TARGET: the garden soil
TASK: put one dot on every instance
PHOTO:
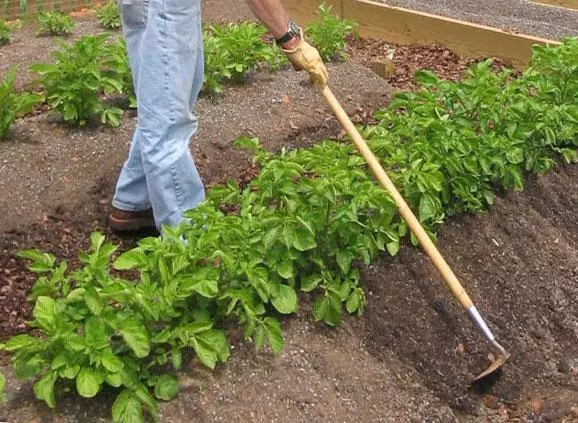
(409, 357)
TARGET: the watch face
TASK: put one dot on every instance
(293, 28)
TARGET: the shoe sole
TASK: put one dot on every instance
(130, 225)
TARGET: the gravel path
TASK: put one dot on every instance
(515, 15)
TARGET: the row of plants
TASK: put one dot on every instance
(88, 71)
(308, 222)
(57, 23)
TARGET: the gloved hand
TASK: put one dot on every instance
(306, 57)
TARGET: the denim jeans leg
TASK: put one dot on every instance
(170, 76)
(131, 192)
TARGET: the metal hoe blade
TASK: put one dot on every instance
(501, 355)
(500, 358)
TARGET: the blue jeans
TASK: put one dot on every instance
(165, 50)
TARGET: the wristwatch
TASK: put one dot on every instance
(292, 32)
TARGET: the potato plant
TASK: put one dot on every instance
(233, 50)
(55, 24)
(5, 33)
(329, 33)
(108, 15)
(83, 72)
(13, 104)
(304, 226)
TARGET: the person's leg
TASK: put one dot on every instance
(171, 74)
(164, 40)
(131, 194)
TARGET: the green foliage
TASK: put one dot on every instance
(453, 143)
(54, 23)
(2, 389)
(232, 50)
(306, 224)
(118, 53)
(13, 104)
(83, 71)
(328, 34)
(108, 15)
(5, 33)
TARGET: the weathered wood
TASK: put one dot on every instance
(404, 26)
(568, 4)
(305, 11)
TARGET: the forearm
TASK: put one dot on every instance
(272, 14)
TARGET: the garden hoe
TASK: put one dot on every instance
(452, 281)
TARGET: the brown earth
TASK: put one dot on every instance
(411, 355)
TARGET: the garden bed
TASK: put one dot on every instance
(521, 16)
(409, 356)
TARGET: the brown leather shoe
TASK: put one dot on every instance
(126, 221)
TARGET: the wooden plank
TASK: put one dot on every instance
(471, 40)
(568, 4)
(305, 11)
(404, 26)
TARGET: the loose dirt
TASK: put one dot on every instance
(408, 358)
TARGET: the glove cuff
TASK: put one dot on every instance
(301, 39)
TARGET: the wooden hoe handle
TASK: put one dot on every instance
(405, 210)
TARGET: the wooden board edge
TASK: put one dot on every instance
(571, 5)
(406, 26)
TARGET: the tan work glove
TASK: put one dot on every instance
(306, 57)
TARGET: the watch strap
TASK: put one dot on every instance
(291, 33)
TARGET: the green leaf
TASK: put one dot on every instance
(95, 332)
(205, 353)
(176, 358)
(259, 337)
(58, 362)
(285, 269)
(344, 259)
(93, 301)
(353, 302)
(147, 399)
(166, 388)
(129, 260)
(392, 248)
(114, 379)
(96, 241)
(218, 342)
(286, 301)
(111, 362)
(88, 382)
(136, 336)
(70, 371)
(44, 389)
(19, 342)
(205, 282)
(44, 313)
(193, 328)
(127, 408)
(2, 388)
(210, 347)
(41, 262)
(309, 283)
(300, 237)
(30, 368)
(427, 208)
(328, 309)
(274, 334)
(320, 307)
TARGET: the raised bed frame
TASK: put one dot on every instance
(405, 26)
(567, 4)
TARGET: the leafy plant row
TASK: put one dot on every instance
(306, 224)
(88, 71)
